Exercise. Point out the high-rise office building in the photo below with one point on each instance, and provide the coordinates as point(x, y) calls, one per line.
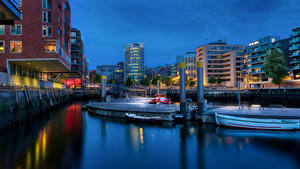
point(219, 61)
point(294, 53)
point(134, 67)
point(35, 50)
point(255, 57)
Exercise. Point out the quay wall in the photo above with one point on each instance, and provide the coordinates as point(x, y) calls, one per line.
point(19, 106)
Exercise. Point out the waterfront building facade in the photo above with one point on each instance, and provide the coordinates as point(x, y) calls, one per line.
point(294, 53)
point(92, 76)
point(173, 70)
point(221, 60)
point(134, 66)
point(255, 56)
point(190, 60)
point(78, 60)
point(38, 49)
point(112, 72)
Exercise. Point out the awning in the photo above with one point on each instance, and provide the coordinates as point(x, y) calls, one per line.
point(42, 65)
point(9, 11)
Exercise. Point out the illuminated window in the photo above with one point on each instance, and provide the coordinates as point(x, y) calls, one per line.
point(16, 30)
point(2, 29)
point(47, 30)
point(2, 46)
point(50, 46)
point(16, 47)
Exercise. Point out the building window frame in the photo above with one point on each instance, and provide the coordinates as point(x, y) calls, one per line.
point(3, 30)
point(56, 46)
point(47, 28)
point(3, 46)
point(11, 46)
point(11, 32)
point(46, 18)
point(47, 4)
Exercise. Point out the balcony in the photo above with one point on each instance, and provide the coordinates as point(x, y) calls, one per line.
point(9, 11)
point(294, 47)
point(294, 34)
point(294, 61)
point(255, 66)
point(257, 72)
point(296, 67)
point(256, 61)
point(256, 56)
point(74, 49)
point(294, 40)
point(295, 54)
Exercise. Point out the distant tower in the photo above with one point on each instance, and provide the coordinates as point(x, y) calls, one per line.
point(134, 67)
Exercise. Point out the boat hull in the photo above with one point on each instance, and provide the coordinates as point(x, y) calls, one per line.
point(256, 123)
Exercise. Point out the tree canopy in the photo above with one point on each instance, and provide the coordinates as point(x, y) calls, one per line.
point(146, 82)
point(219, 80)
point(128, 82)
point(97, 79)
point(212, 80)
point(275, 66)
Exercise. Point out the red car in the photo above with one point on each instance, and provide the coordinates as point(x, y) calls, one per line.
point(160, 99)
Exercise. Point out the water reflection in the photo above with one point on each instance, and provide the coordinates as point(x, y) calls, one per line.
point(48, 143)
point(70, 138)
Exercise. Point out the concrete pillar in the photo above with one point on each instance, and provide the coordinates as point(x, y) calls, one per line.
point(182, 88)
point(103, 89)
point(239, 94)
point(200, 91)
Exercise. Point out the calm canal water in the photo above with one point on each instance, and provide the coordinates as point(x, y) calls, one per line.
point(72, 138)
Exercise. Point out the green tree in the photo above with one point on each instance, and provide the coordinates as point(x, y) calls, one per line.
point(212, 80)
point(128, 82)
point(146, 82)
point(191, 82)
point(219, 80)
point(97, 79)
point(167, 81)
point(275, 66)
point(114, 81)
point(155, 80)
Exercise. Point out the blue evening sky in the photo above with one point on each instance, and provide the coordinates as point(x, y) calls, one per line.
point(171, 27)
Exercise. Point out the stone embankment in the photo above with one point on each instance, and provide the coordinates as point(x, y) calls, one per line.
point(19, 105)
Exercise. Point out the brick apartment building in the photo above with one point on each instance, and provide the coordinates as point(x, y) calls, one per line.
point(37, 48)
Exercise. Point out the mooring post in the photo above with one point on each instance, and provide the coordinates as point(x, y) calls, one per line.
point(239, 95)
point(182, 88)
point(200, 92)
point(103, 90)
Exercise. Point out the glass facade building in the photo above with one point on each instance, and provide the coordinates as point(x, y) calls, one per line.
point(294, 53)
point(255, 56)
point(134, 66)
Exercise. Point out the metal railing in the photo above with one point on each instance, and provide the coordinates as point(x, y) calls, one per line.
point(143, 107)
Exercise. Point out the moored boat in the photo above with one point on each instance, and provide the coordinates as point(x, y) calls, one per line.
point(262, 123)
